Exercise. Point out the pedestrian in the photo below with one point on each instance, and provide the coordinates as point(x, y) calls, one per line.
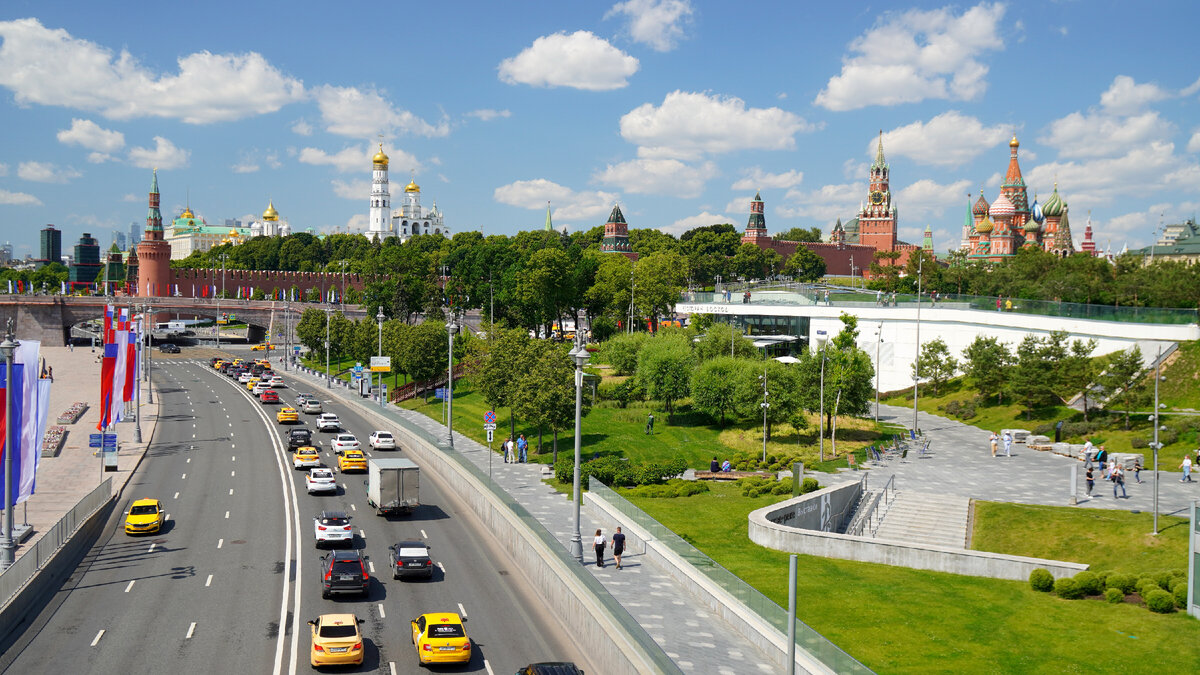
point(714, 466)
point(995, 440)
point(522, 449)
point(1137, 470)
point(71, 347)
point(1008, 304)
point(51, 371)
point(1091, 481)
point(618, 543)
point(1118, 479)
point(1088, 449)
point(826, 297)
point(598, 546)
point(1007, 443)
point(879, 297)
point(1187, 470)
point(999, 302)
point(504, 448)
point(650, 423)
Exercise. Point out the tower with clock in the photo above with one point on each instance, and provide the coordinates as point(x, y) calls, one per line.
point(877, 216)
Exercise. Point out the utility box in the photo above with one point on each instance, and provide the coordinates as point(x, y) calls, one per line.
point(393, 486)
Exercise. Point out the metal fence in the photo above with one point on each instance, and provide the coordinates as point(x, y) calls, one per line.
point(806, 638)
point(33, 559)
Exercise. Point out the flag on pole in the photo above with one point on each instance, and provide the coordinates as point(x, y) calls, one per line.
point(131, 361)
point(116, 401)
point(108, 323)
point(64, 288)
point(24, 389)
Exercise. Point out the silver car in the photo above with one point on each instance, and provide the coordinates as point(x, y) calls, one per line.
point(333, 527)
point(311, 406)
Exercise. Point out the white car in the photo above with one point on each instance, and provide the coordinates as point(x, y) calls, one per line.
point(343, 442)
point(333, 527)
point(320, 480)
point(311, 406)
point(245, 377)
point(328, 422)
point(260, 387)
point(382, 440)
point(276, 381)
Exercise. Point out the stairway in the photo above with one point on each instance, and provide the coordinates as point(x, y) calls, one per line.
point(923, 518)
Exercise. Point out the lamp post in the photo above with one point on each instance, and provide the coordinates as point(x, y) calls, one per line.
point(632, 286)
point(137, 389)
point(342, 300)
point(451, 326)
point(149, 312)
point(379, 319)
point(878, 344)
point(8, 547)
point(917, 361)
point(580, 355)
point(1156, 418)
point(765, 406)
point(821, 419)
point(328, 382)
point(217, 323)
point(287, 333)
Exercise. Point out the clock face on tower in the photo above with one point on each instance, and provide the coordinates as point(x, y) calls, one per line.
point(877, 197)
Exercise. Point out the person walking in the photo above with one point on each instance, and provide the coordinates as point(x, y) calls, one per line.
point(1088, 449)
point(504, 448)
point(1187, 470)
point(995, 441)
point(1007, 443)
point(1091, 481)
point(999, 302)
point(1118, 478)
point(1137, 471)
point(618, 544)
point(598, 546)
point(522, 449)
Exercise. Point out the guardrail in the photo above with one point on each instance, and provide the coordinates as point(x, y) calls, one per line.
point(865, 518)
point(32, 560)
point(807, 639)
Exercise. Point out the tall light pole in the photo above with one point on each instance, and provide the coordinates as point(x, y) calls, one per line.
point(878, 344)
point(328, 382)
point(217, 323)
point(765, 406)
point(287, 333)
point(149, 312)
point(632, 286)
point(379, 319)
point(451, 326)
point(580, 355)
point(917, 361)
point(821, 420)
point(137, 388)
point(8, 546)
point(342, 299)
point(1156, 417)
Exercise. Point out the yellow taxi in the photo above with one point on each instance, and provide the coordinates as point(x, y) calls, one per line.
point(251, 382)
point(286, 415)
point(217, 364)
point(336, 640)
point(352, 460)
point(238, 361)
point(145, 517)
point(266, 363)
point(441, 638)
point(306, 457)
point(262, 347)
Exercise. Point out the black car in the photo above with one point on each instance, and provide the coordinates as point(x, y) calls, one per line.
point(298, 438)
point(168, 348)
point(344, 572)
point(411, 559)
point(554, 668)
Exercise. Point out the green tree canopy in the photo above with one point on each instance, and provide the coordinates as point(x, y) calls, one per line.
point(664, 368)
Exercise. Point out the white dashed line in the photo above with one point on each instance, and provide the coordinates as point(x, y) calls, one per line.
point(176, 496)
point(353, 507)
point(391, 665)
point(441, 566)
point(208, 582)
point(220, 542)
point(101, 634)
point(226, 515)
point(372, 566)
point(231, 491)
point(382, 614)
point(191, 629)
point(189, 460)
point(423, 535)
point(488, 666)
point(151, 549)
point(130, 586)
point(362, 534)
point(167, 518)
point(183, 477)
point(232, 473)
point(233, 458)
point(462, 611)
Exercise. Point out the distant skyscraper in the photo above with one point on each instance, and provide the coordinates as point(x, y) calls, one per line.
point(51, 241)
point(119, 239)
point(87, 260)
point(233, 222)
point(6, 253)
point(135, 233)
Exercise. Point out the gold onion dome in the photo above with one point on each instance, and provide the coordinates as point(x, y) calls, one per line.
point(412, 186)
point(1014, 143)
point(380, 158)
point(187, 213)
point(985, 227)
point(271, 213)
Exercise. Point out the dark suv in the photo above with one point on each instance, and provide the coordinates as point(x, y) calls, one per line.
point(299, 438)
point(344, 572)
point(168, 348)
point(555, 668)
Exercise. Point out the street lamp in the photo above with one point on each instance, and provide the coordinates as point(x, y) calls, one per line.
point(451, 326)
point(8, 546)
point(379, 319)
point(137, 389)
point(1156, 417)
point(342, 300)
point(917, 361)
point(217, 323)
point(328, 382)
point(580, 355)
point(765, 406)
point(287, 333)
point(632, 286)
point(878, 344)
point(148, 312)
point(821, 420)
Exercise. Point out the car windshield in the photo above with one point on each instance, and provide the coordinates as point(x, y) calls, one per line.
point(322, 474)
point(300, 433)
point(347, 567)
point(383, 435)
point(346, 439)
point(335, 521)
point(338, 631)
point(143, 510)
point(446, 630)
point(353, 455)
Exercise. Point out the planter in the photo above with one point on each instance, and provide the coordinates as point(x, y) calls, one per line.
point(72, 414)
point(52, 441)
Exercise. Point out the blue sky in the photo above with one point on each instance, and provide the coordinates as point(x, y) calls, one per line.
point(679, 110)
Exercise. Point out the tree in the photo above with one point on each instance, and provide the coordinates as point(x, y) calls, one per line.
point(1121, 375)
point(425, 352)
point(1030, 376)
point(1075, 373)
point(714, 386)
point(609, 293)
point(498, 364)
point(621, 352)
point(664, 369)
point(884, 269)
point(935, 364)
point(721, 340)
point(659, 278)
point(804, 265)
point(811, 234)
point(546, 392)
point(986, 362)
point(310, 329)
point(543, 288)
point(783, 389)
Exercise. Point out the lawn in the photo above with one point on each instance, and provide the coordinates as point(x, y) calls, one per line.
point(1105, 539)
point(898, 620)
point(1181, 389)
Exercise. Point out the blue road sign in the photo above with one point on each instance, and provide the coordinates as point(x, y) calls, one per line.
point(440, 392)
point(110, 437)
point(95, 443)
point(489, 417)
point(95, 438)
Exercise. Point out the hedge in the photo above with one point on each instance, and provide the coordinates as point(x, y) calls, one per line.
point(1067, 589)
point(615, 472)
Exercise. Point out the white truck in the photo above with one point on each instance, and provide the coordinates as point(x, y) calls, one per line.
point(393, 486)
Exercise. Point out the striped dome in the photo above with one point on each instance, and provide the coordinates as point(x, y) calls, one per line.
point(1002, 207)
point(1035, 211)
point(981, 205)
point(1054, 207)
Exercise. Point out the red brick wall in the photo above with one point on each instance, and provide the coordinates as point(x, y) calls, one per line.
point(190, 281)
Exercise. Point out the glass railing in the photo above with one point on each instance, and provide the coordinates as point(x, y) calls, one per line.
point(806, 638)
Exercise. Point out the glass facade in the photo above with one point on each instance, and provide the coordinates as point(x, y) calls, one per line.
point(796, 326)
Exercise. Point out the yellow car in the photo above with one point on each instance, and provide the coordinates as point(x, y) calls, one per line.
point(145, 517)
point(238, 361)
point(352, 460)
point(440, 638)
point(251, 382)
point(336, 640)
point(306, 457)
point(287, 415)
point(263, 362)
point(262, 347)
point(217, 364)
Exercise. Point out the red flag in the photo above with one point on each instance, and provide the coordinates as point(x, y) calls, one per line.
point(131, 363)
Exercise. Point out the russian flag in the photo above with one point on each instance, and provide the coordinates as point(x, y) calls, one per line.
point(131, 361)
point(116, 402)
point(25, 391)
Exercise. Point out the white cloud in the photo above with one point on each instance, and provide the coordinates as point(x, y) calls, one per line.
point(691, 222)
point(1191, 88)
point(688, 125)
point(164, 155)
point(825, 203)
point(1100, 134)
point(656, 23)
point(44, 172)
point(926, 198)
point(1141, 171)
point(358, 159)
point(658, 176)
point(100, 157)
point(739, 205)
point(348, 111)
point(567, 204)
point(245, 165)
point(130, 197)
point(756, 178)
point(1126, 97)
point(3, 169)
point(88, 134)
point(272, 159)
point(1194, 143)
point(917, 55)
point(358, 222)
point(18, 199)
point(580, 60)
point(852, 169)
point(50, 67)
point(949, 139)
point(302, 128)
point(488, 114)
point(359, 189)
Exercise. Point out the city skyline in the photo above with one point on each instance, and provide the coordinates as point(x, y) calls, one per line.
point(680, 111)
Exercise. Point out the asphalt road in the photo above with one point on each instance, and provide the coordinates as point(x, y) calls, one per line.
point(230, 583)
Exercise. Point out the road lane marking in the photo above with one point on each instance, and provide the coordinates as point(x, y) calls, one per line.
point(101, 634)
point(151, 549)
point(488, 666)
point(392, 666)
point(372, 566)
point(362, 534)
point(130, 586)
point(191, 629)
point(441, 566)
point(226, 515)
point(232, 473)
point(462, 611)
point(208, 582)
point(382, 614)
point(230, 491)
point(183, 477)
point(220, 542)
point(168, 517)
point(353, 507)
point(189, 460)
point(176, 496)
point(423, 535)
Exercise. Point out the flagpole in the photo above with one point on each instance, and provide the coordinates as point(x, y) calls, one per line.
point(137, 390)
point(8, 547)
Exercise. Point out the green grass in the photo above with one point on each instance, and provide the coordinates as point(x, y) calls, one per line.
point(1181, 389)
point(1103, 538)
point(898, 620)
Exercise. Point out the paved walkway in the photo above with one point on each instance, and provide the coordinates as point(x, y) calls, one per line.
point(695, 638)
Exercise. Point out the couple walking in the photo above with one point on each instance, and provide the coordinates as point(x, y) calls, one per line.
point(515, 453)
point(1008, 441)
point(618, 546)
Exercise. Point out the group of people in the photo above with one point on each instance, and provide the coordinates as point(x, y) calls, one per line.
point(716, 466)
point(1008, 441)
point(515, 453)
point(1111, 470)
point(618, 547)
point(1002, 304)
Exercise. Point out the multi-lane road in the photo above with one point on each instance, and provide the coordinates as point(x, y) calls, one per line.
point(229, 584)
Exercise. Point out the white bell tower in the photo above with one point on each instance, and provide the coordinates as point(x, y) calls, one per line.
point(381, 203)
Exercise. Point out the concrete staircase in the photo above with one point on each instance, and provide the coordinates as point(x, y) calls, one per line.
point(923, 518)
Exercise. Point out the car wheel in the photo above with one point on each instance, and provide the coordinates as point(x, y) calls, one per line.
point(324, 595)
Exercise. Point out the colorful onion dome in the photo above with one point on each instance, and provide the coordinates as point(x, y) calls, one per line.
point(269, 214)
point(981, 205)
point(986, 226)
point(1055, 206)
point(1032, 226)
point(1002, 207)
point(1035, 211)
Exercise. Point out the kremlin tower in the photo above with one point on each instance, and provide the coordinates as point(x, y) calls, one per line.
point(154, 253)
point(616, 234)
point(756, 227)
point(877, 218)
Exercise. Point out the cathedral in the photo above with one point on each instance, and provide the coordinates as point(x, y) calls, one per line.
point(410, 219)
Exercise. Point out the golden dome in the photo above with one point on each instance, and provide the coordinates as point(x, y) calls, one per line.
point(233, 233)
point(986, 226)
point(271, 213)
point(380, 158)
point(187, 213)
point(1014, 142)
point(412, 186)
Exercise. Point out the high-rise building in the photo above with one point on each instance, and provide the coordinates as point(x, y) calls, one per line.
point(86, 264)
point(119, 239)
point(135, 234)
point(6, 253)
point(51, 240)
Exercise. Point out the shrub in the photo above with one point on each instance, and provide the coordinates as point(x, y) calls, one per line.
point(1088, 583)
point(1041, 580)
point(1163, 579)
point(1146, 585)
point(1102, 577)
point(953, 408)
point(1179, 589)
point(671, 489)
point(809, 485)
point(1138, 442)
point(1067, 589)
point(1046, 430)
point(968, 411)
point(1160, 601)
point(1114, 596)
point(782, 488)
point(1123, 582)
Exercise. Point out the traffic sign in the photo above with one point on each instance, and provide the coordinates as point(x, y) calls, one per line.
point(489, 417)
point(95, 438)
point(489, 427)
point(440, 392)
point(489, 435)
point(358, 367)
point(381, 364)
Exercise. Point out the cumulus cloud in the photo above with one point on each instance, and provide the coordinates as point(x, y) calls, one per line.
point(929, 199)
point(567, 203)
point(692, 222)
point(3, 169)
point(18, 199)
point(739, 205)
point(688, 125)
point(301, 127)
point(1140, 171)
point(487, 114)
point(357, 159)
point(916, 55)
point(825, 203)
point(1192, 146)
point(1125, 97)
point(164, 155)
point(658, 176)
point(756, 178)
point(358, 222)
point(45, 172)
point(1098, 134)
point(349, 111)
point(50, 67)
point(356, 189)
point(245, 165)
point(580, 60)
point(88, 134)
point(656, 23)
point(131, 198)
point(949, 139)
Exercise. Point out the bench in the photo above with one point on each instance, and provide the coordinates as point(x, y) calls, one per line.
point(732, 475)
